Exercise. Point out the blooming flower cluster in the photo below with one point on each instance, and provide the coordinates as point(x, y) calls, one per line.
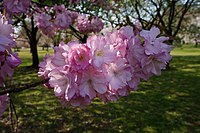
point(61, 20)
point(8, 59)
point(88, 24)
point(16, 6)
point(107, 66)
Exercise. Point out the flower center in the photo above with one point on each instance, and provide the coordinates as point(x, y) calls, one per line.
point(99, 53)
point(89, 81)
point(81, 58)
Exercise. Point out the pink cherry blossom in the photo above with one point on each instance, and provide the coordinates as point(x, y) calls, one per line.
point(101, 52)
point(135, 52)
point(154, 45)
point(108, 66)
point(76, 101)
point(45, 67)
point(59, 59)
point(155, 63)
point(6, 30)
point(134, 82)
point(92, 82)
point(126, 32)
point(66, 17)
point(7, 67)
point(13, 60)
point(59, 8)
point(62, 21)
point(78, 57)
point(44, 23)
point(118, 74)
point(16, 6)
point(59, 81)
point(123, 91)
point(108, 96)
point(118, 41)
point(8, 59)
point(5, 71)
point(89, 24)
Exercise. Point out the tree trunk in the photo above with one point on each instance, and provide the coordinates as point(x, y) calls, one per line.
point(32, 36)
point(33, 45)
point(34, 52)
point(196, 43)
point(170, 41)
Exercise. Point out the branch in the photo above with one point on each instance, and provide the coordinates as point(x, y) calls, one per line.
point(25, 27)
point(89, 13)
point(160, 16)
point(171, 15)
point(38, 38)
point(138, 13)
point(77, 35)
point(15, 88)
point(186, 8)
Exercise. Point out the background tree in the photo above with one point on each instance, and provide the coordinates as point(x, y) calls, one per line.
point(191, 27)
point(168, 15)
point(33, 40)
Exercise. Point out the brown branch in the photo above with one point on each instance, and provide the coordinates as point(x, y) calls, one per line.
point(187, 5)
point(77, 35)
point(138, 13)
point(159, 15)
point(15, 88)
point(25, 27)
point(171, 15)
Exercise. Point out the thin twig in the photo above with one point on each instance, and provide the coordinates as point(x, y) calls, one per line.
point(11, 116)
point(76, 34)
point(15, 113)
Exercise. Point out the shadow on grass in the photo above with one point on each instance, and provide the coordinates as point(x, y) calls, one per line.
point(168, 103)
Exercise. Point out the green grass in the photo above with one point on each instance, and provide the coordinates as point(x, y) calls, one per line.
point(169, 103)
point(26, 55)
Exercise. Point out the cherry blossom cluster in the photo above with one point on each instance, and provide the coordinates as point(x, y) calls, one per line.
point(89, 24)
point(107, 66)
point(61, 20)
point(8, 59)
point(50, 20)
point(16, 6)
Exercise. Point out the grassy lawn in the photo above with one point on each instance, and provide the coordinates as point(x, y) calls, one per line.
point(169, 103)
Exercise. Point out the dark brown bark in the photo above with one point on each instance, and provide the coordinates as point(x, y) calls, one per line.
point(33, 40)
point(33, 46)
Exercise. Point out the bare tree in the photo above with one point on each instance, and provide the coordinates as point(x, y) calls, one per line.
point(168, 15)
